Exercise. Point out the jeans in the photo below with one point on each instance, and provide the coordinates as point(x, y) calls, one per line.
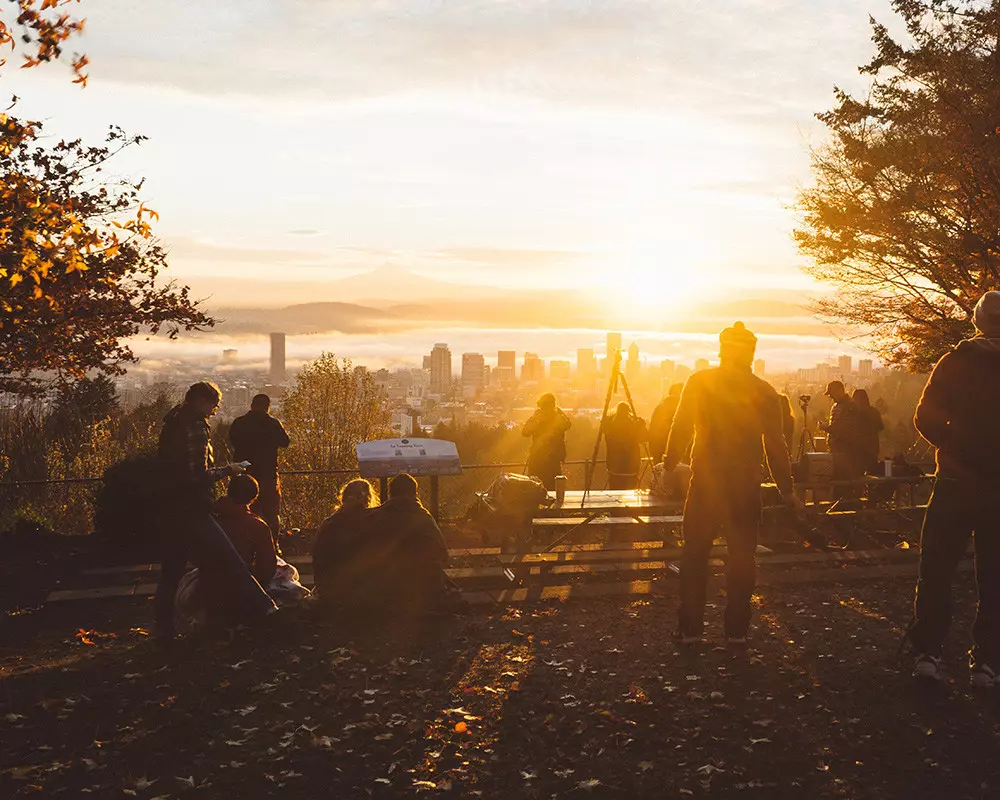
point(958, 509)
point(720, 503)
point(232, 594)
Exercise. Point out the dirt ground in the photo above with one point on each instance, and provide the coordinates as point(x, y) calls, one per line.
point(576, 699)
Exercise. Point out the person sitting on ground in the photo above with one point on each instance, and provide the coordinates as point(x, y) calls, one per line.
point(249, 533)
point(339, 567)
point(623, 433)
point(409, 555)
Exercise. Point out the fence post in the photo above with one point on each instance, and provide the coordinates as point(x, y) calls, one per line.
point(587, 474)
point(435, 497)
point(383, 488)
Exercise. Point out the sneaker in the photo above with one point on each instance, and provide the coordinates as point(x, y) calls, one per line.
point(680, 637)
point(982, 675)
point(927, 667)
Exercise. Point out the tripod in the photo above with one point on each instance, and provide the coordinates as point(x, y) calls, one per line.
point(614, 378)
point(805, 438)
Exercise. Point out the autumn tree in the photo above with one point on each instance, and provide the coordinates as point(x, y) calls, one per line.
point(80, 270)
point(904, 216)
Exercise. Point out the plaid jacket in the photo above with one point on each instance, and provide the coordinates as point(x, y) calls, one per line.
point(185, 453)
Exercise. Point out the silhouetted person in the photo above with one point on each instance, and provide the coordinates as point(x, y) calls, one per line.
point(660, 421)
point(957, 413)
point(547, 428)
point(408, 554)
point(248, 532)
point(843, 434)
point(623, 433)
point(735, 418)
point(340, 567)
point(870, 427)
point(256, 437)
point(189, 531)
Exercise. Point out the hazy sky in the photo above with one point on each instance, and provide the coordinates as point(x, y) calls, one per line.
point(510, 142)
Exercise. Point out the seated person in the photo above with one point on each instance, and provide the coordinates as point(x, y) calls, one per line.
point(408, 555)
point(249, 533)
point(339, 568)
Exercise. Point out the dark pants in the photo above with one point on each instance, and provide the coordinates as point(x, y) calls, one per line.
point(268, 503)
point(232, 594)
point(545, 468)
point(958, 509)
point(728, 504)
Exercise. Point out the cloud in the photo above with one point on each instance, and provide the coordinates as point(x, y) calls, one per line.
point(194, 250)
point(756, 58)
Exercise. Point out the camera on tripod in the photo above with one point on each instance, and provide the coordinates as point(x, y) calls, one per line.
point(804, 401)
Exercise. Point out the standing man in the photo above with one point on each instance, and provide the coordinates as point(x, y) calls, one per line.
point(843, 434)
point(189, 532)
point(623, 433)
point(256, 437)
point(957, 413)
point(661, 420)
point(547, 428)
point(735, 419)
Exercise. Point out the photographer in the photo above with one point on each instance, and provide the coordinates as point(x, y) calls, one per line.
point(547, 428)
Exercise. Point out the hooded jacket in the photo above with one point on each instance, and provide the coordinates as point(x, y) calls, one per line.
point(958, 411)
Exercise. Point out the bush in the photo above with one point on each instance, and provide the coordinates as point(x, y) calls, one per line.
point(127, 506)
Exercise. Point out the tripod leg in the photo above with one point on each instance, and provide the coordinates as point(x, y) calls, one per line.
point(612, 383)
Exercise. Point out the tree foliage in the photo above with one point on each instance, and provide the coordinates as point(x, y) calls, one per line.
point(79, 266)
point(904, 217)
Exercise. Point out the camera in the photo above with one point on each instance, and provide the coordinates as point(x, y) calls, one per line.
point(804, 400)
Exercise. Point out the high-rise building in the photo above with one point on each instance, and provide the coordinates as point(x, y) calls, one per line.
point(559, 370)
point(758, 367)
point(507, 358)
point(440, 365)
point(701, 364)
point(614, 344)
point(473, 374)
point(844, 366)
point(586, 366)
point(230, 356)
point(865, 368)
point(277, 372)
point(533, 369)
point(632, 366)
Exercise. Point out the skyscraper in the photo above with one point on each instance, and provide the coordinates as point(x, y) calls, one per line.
point(586, 366)
point(614, 345)
point(701, 364)
point(633, 366)
point(440, 369)
point(559, 370)
point(506, 374)
point(277, 371)
point(533, 369)
point(865, 368)
point(473, 374)
point(844, 366)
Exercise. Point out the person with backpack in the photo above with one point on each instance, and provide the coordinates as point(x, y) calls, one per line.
point(189, 532)
point(623, 433)
point(958, 414)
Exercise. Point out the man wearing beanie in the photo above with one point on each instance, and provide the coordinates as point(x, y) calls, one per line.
point(958, 414)
point(735, 418)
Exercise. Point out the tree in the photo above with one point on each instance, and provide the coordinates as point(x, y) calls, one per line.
point(332, 407)
point(904, 217)
point(79, 266)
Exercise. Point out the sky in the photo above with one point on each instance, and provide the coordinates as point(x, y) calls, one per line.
point(615, 144)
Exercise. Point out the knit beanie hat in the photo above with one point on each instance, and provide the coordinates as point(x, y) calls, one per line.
point(738, 336)
point(986, 317)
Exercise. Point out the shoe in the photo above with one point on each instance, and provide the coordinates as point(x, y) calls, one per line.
point(680, 637)
point(982, 675)
point(927, 667)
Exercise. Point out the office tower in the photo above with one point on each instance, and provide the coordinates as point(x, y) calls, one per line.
point(614, 344)
point(277, 372)
point(506, 358)
point(844, 366)
point(473, 374)
point(440, 365)
point(533, 369)
point(559, 370)
point(701, 364)
point(632, 366)
point(427, 363)
point(586, 366)
point(865, 368)
point(230, 356)
point(758, 367)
